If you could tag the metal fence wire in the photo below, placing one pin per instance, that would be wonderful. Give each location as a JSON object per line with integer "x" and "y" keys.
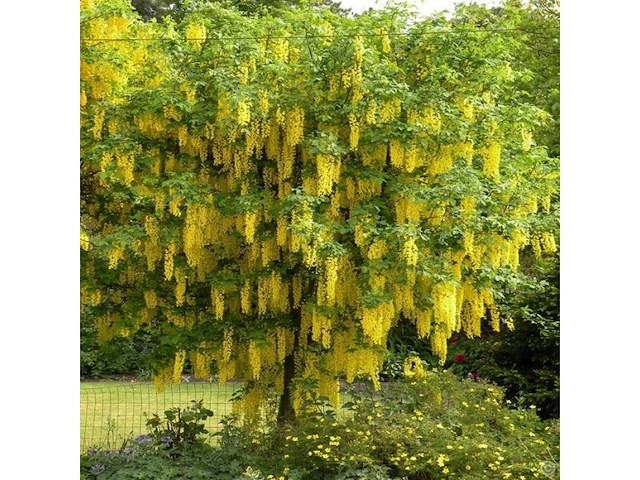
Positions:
{"x": 113, "y": 412}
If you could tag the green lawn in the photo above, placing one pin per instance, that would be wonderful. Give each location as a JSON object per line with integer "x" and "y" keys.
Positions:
{"x": 111, "y": 412}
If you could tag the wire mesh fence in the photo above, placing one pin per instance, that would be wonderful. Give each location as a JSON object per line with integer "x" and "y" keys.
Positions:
{"x": 112, "y": 412}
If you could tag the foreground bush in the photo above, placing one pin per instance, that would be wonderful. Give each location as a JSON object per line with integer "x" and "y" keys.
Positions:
{"x": 433, "y": 426}
{"x": 429, "y": 426}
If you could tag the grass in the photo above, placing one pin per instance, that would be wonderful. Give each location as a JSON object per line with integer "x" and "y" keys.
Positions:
{"x": 111, "y": 412}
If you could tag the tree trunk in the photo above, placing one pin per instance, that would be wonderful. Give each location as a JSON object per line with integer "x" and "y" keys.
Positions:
{"x": 286, "y": 413}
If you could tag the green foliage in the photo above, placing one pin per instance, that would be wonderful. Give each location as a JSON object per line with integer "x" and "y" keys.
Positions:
{"x": 180, "y": 428}
{"x": 159, "y": 9}
{"x": 534, "y": 39}
{"x": 403, "y": 342}
{"x": 140, "y": 461}
{"x": 119, "y": 357}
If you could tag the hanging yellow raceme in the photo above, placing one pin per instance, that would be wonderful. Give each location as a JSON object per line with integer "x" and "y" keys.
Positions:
{"x": 491, "y": 153}
{"x": 196, "y": 34}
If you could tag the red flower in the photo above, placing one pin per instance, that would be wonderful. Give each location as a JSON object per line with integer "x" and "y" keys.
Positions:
{"x": 459, "y": 358}
{"x": 453, "y": 339}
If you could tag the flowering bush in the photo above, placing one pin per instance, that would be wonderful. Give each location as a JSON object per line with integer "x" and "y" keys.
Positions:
{"x": 431, "y": 425}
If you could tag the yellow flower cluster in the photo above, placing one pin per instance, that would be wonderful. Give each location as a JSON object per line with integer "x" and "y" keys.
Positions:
{"x": 466, "y": 108}
{"x": 254, "y": 360}
{"x": 294, "y": 126}
{"x": 227, "y": 344}
{"x": 464, "y": 150}
{"x": 377, "y": 321}
{"x": 527, "y": 139}
{"x": 320, "y": 328}
{"x": 424, "y": 319}
{"x": 250, "y": 223}
{"x": 358, "y": 49}
{"x": 181, "y": 286}
{"x": 407, "y": 210}
{"x": 377, "y": 249}
{"x": 384, "y": 39}
{"x": 431, "y": 120}
{"x": 217, "y": 302}
{"x": 169, "y": 254}
{"x": 150, "y": 299}
{"x": 244, "y": 113}
{"x": 178, "y": 365}
{"x": 95, "y": 298}
{"x": 115, "y": 255}
{"x": 196, "y": 34}
{"x": 151, "y": 125}
{"x": 412, "y": 367}
{"x": 245, "y": 298}
{"x": 98, "y": 122}
{"x": 174, "y": 204}
{"x": 410, "y": 251}
{"x": 354, "y": 131}
{"x": 389, "y": 110}
{"x": 125, "y": 162}
{"x": 163, "y": 377}
{"x": 201, "y": 362}
{"x": 445, "y": 306}
{"x": 548, "y": 242}
{"x": 84, "y": 240}
{"x": 280, "y": 48}
{"x": 331, "y": 280}
{"x": 442, "y": 160}
{"x": 491, "y": 153}
{"x": 328, "y": 168}
{"x": 468, "y": 207}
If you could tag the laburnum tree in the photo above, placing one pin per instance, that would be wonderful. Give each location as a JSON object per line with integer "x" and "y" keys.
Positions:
{"x": 269, "y": 196}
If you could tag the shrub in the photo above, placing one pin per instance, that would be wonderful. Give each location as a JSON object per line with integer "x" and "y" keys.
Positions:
{"x": 180, "y": 428}
{"x": 119, "y": 356}
{"x": 142, "y": 461}
{"x": 430, "y": 425}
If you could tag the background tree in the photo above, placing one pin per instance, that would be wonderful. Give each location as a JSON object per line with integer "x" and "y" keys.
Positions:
{"x": 532, "y": 30}
{"x": 273, "y": 194}
{"x": 122, "y": 356}
{"x": 158, "y": 9}
{"x": 176, "y": 9}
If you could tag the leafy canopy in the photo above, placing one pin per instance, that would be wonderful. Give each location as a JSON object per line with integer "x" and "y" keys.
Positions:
{"x": 273, "y": 194}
